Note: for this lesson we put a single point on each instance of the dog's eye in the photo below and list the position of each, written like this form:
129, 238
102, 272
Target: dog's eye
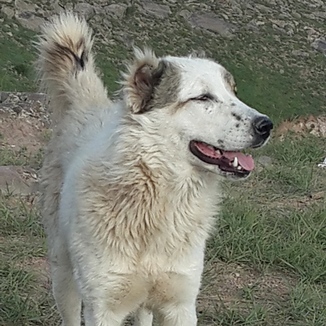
204, 97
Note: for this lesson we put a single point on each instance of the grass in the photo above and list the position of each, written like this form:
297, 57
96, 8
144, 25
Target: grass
25, 297
276, 223
16, 62
21, 157
266, 262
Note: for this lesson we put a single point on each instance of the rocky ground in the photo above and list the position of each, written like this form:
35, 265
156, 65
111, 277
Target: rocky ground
279, 32
284, 36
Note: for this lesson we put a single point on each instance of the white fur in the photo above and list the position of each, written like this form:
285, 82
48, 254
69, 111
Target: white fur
127, 208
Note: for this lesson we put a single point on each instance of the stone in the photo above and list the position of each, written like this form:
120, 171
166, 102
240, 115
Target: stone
9, 12
116, 10
159, 11
17, 180
24, 104
320, 45
213, 23
21, 6
320, 14
263, 8
296, 15
28, 20
279, 23
85, 9
185, 14
55, 6
300, 53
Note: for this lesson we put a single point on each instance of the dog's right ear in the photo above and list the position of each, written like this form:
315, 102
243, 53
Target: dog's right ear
143, 75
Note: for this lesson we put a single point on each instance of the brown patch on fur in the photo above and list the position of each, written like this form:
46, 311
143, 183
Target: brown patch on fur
150, 82
145, 81
149, 178
62, 51
166, 92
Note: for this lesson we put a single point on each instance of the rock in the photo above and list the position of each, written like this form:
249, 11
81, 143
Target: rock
25, 13
21, 6
296, 15
279, 23
85, 9
23, 104
17, 180
320, 45
272, 2
300, 53
212, 23
55, 6
159, 11
28, 20
24, 121
320, 14
9, 12
254, 25
185, 14
263, 8
116, 10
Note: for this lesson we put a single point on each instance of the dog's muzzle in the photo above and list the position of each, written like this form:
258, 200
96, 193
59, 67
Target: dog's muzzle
262, 127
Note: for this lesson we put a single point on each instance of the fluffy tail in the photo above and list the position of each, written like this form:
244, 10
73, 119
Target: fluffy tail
66, 66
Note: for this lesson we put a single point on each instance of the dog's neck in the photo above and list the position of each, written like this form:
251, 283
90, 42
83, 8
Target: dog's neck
157, 197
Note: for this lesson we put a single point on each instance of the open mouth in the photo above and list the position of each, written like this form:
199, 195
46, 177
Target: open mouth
236, 163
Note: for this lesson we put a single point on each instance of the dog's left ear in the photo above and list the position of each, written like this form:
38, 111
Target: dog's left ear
144, 74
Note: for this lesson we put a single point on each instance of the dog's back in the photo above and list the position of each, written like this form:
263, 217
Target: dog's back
68, 75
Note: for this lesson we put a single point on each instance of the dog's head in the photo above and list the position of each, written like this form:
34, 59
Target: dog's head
193, 104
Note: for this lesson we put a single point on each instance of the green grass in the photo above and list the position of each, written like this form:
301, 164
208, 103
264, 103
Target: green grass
273, 227
275, 222
16, 61
21, 157
25, 298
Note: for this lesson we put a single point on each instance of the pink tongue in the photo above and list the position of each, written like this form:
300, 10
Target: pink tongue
246, 161
207, 150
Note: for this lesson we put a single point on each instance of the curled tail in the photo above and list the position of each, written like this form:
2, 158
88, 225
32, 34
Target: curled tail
66, 66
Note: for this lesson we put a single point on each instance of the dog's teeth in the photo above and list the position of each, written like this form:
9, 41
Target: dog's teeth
235, 162
217, 151
239, 168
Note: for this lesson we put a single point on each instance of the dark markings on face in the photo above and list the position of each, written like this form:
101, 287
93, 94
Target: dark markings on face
235, 115
167, 90
220, 142
237, 125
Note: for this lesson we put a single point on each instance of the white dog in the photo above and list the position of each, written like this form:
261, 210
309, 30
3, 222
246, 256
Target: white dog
131, 188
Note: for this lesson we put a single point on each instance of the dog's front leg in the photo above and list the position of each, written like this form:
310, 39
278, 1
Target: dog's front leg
178, 315
102, 317
176, 296
143, 317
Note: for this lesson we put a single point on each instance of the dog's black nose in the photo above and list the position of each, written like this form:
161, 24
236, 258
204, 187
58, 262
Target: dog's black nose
262, 126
